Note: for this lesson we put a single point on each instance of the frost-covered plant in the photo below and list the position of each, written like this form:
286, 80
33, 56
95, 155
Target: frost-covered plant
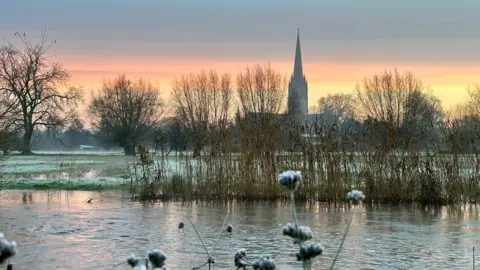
133, 260
239, 258
309, 252
7, 249
355, 196
290, 179
300, 234
265, 263
229, 228
155, 257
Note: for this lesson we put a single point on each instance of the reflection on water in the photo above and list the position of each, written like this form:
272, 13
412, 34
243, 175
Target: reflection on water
60, 230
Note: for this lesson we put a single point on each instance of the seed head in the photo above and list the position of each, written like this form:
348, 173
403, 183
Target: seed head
157, 258
355, 196
181, 225
211, 259
302, 233
264, 263
7, 249
133, 260
290, 179
239, 258
229, 228
309, 252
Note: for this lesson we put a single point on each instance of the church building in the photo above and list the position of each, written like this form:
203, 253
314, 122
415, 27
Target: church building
297, 114
298, 88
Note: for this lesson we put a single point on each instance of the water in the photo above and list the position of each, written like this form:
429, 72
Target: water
59, 230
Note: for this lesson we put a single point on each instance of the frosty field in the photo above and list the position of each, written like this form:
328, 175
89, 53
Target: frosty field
64, 171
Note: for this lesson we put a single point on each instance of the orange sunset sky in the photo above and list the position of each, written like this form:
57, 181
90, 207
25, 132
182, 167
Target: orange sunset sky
342, 41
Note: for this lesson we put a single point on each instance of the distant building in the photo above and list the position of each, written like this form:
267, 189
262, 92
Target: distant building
298, 88
297, 97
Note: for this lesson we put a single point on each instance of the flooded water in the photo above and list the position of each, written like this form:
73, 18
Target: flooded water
59, 230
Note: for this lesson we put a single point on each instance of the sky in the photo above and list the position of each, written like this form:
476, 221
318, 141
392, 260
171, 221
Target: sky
342, 41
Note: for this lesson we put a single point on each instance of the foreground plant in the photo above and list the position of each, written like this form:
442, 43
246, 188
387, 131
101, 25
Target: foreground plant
210, 257
300, 234
155, 260
7, 250
355, 197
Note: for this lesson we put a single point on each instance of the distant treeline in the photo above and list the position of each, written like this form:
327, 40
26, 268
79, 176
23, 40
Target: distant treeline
213, 112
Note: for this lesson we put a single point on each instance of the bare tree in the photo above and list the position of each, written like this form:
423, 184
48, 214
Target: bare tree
203, 105
125, 111
423, 119
33, 79
340, 105
384, 96
262, 94
261, 90
8, 104
473, 104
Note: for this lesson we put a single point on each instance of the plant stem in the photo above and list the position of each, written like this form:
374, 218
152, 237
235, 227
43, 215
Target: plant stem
292, 199
220, 232
199, 237
343, 240
294, 210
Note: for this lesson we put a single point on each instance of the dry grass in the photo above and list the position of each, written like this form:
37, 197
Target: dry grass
330, 170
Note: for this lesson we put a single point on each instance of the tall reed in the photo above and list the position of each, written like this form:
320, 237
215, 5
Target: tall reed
332, 160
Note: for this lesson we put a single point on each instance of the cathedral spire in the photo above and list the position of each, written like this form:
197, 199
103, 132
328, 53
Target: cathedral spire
298, 68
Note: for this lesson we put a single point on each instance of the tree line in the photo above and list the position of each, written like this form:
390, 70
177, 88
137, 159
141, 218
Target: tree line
217, 113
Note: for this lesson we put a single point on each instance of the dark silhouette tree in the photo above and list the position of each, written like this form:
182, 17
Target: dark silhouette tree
125, 111
33, 79
203, 105
8, 129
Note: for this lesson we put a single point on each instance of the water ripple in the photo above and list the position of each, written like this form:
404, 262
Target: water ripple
61, 231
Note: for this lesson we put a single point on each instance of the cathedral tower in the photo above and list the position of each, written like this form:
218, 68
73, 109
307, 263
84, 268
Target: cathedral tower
298, 88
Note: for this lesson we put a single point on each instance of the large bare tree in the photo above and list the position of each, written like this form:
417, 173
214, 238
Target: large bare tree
203, 104
400, 102
125, 111
385, 96
262, 93
8, 128
34, 80
261, 90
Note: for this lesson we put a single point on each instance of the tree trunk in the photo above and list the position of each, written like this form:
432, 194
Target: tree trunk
27, 137
129, 150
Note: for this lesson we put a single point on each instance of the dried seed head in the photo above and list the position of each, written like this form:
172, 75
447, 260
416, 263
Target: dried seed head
181, 225
133, 260
309, 252
211, 259
157, 258
264, 263
229, 228
302, 233
239, 258
290, 179
7, 249
355, 196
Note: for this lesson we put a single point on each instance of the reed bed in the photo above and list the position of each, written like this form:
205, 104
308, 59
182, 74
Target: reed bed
388, 170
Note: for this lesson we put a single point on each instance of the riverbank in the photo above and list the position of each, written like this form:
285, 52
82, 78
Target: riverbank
229, 176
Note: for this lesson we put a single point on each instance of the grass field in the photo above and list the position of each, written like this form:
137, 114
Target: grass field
68, 170
63, 171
